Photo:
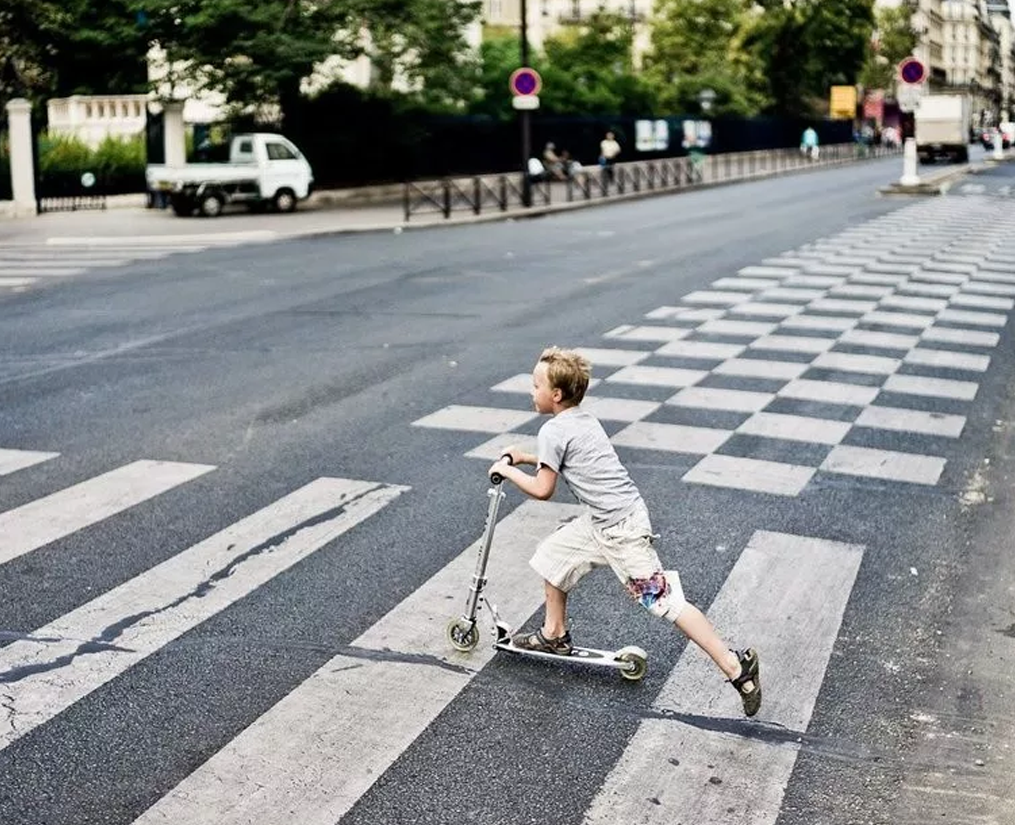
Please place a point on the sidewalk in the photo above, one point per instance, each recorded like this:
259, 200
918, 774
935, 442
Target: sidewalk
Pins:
320, 216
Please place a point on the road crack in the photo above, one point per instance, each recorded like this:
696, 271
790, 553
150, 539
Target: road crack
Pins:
104, 642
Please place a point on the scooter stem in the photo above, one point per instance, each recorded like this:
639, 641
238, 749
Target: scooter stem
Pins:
479, 576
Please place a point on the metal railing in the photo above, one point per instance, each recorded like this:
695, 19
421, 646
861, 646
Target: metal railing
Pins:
505, 191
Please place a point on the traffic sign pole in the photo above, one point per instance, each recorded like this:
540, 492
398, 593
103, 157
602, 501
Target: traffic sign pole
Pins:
525, 115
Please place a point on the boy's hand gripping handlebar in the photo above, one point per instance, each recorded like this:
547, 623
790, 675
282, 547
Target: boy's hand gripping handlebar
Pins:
497, 478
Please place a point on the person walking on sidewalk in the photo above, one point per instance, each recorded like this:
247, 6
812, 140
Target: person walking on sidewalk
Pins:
614, 530
608, 151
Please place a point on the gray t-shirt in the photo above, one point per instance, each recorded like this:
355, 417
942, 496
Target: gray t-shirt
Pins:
574, 445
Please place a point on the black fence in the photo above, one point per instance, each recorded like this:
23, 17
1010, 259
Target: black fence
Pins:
504, 192
351, 139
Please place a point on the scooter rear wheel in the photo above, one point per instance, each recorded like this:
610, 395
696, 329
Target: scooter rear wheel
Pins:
637, 665
463, 635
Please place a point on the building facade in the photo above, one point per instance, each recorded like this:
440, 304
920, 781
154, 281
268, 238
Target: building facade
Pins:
972, 56
547, 18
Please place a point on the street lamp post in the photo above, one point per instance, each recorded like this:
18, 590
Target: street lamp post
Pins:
524, 115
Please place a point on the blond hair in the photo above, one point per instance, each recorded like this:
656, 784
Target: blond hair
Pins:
568, 372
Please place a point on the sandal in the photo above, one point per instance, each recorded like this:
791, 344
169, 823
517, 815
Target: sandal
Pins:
749, 673
561, 646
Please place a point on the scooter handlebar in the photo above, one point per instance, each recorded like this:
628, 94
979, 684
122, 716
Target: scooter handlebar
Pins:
497, 478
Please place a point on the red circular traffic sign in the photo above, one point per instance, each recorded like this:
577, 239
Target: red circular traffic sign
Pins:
912, 71
525, 82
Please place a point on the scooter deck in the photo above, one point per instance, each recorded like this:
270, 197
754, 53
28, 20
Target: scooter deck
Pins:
584, 654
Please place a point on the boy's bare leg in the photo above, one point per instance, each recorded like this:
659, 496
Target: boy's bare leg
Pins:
700, 631
555, 623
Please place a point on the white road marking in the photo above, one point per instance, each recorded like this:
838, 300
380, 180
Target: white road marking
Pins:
795, 428
884, 464
849, 362
45, 520
878, 340
42, 677
829, 392
673, 438
674, 771
656, 376
912, 421
932, 387
13, 460
475, 419
750, 474
315, 753
710, 398
970, 337
757, 368
702, 350
948, 359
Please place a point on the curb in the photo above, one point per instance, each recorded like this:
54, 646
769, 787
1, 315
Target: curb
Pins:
939, 184
559, 208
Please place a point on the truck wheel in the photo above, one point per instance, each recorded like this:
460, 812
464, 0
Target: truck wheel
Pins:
964, 155
285, 200
211, 206
182, 210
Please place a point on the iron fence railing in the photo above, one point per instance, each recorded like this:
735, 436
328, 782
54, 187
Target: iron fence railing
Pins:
505, 191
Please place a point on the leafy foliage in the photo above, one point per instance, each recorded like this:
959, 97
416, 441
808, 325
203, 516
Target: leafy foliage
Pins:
894, 39
586, 70
805, 47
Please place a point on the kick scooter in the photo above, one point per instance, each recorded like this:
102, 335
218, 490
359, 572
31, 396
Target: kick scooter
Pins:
463, 632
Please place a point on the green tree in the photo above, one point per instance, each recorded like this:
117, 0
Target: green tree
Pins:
894, 39
422, 41
28, 29
498, 57
253, 52
696, 45
590, 69
803, 47
260, 52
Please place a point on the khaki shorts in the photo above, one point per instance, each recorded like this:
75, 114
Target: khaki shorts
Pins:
626, 547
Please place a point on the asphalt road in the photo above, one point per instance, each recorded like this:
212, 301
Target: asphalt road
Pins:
282, 363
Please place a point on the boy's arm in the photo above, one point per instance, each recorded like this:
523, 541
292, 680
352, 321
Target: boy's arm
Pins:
539, 486
519, 457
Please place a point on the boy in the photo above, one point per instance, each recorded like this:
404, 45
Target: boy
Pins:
614, 530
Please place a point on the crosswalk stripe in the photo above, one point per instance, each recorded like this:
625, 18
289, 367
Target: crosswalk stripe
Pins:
12, 283
311, 756
45, 520
72, 656
54, 271
225, 238
786, 595
13, 460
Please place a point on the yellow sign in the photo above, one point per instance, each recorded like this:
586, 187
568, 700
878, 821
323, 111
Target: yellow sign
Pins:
843, 103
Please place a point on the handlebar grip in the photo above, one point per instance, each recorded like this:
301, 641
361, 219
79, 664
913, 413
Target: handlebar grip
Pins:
497, 478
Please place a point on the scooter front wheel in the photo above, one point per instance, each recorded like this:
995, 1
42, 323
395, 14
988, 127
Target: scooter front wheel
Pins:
636, 664
463, 635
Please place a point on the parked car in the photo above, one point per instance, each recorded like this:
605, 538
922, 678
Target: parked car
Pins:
264, 170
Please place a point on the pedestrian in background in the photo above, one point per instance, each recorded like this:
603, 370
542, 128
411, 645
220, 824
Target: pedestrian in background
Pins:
809, 143
608, 151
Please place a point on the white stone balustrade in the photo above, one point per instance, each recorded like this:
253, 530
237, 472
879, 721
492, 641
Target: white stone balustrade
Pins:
92, 118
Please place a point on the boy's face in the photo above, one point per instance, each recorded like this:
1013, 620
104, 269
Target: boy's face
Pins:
543, 395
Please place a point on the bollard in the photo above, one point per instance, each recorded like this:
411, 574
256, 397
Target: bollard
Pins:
910, 177
998, 146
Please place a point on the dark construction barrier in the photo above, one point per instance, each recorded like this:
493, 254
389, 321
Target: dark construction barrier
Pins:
503, 192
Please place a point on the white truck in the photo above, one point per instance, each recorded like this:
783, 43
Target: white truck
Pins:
943, 124
264, 169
